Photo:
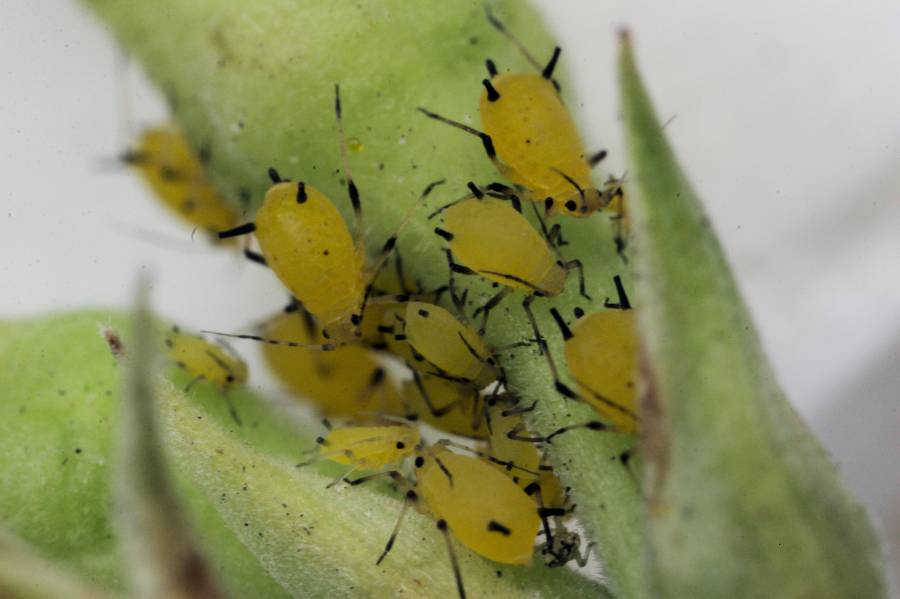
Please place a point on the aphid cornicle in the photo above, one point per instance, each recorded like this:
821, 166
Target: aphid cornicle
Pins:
203, 360
306, 242
175, 173
468, 498
531, 138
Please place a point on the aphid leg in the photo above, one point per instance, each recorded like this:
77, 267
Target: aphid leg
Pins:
270, 341
535, 489
255, 257
341, 477
193, 381
592, 425
436, 412
623, 303
505, 463
394, 475
486, 140
232, 410
490, 305
352, 190
582, 559
596, 158
474, 192
560, 387
577, 265
410, 498
516, 435
625, 457
442, 526
244, 229
499, 26
401, 276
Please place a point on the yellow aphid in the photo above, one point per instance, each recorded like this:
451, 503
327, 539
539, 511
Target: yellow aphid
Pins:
369, 447
538, 144
341, 383
175, 173
450, 406
601, 351
205, 360
519, 258
482, 507
307, 243
532, 139
444, 346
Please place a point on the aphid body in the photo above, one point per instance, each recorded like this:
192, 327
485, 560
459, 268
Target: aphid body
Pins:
175, 174
205, 360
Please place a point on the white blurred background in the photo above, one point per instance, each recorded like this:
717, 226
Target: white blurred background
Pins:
786, 116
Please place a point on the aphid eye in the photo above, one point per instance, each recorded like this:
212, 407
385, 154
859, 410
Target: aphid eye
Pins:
230, 378
355, 319
571, 206
401, 445
420, 461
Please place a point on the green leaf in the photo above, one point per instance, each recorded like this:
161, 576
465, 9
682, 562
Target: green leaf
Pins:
25, 575
58, 410
743, 502
252, 81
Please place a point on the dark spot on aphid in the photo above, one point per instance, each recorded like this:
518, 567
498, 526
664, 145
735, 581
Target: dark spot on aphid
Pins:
423, 313
301, 192
571, 206
420, 461
401, 445
167, 173
492, 94
548, 203
326, 252
494, 526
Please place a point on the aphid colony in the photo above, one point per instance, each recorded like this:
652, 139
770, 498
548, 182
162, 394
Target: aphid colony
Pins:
497, 495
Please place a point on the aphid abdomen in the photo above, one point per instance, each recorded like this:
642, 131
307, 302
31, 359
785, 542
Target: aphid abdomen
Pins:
484, 509
602, 357
306, 242
491, 238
